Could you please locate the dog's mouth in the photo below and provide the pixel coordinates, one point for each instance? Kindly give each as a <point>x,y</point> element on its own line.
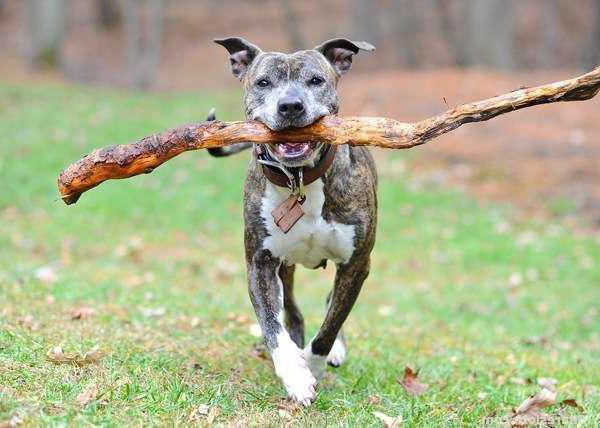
<point>293,150</point>
<point>295,154</point>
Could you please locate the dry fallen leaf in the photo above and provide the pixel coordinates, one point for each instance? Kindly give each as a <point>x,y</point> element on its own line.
<point>204,412</point>
<point>29,322</point>
<point>530,411</point>
<point>88,395</point>
<point>572,403</point>
<point>284,414</point>
<point>388,421</point>
<point>374,399</point>
<point>57,355</point>
<point>153,312</point>
<point>82,312</point>
<point>411,383</point>
<point>259,350</point>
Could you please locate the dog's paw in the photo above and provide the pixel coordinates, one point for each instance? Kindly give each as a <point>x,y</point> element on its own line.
<point>337,355</point>
<point>300,386</point>
<point>298,380</point>
<point>316,363</point>
<point>292,368</point>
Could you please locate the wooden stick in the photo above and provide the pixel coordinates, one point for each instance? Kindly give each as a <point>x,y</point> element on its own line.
<point>144,155</point>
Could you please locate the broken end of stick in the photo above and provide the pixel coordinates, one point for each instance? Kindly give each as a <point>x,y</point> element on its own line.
<point>67,197</point>
<point>70,199</point>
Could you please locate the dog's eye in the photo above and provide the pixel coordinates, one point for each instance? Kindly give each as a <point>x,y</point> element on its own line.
<point>316,81</point>
<point>263,83</point>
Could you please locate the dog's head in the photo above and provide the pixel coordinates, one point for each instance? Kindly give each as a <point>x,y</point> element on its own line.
<point>291,90</point>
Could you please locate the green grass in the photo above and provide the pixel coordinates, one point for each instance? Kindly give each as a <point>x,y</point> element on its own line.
<point>476,296</point>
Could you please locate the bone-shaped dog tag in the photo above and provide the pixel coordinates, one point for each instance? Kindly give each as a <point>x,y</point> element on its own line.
<point>288,213</point>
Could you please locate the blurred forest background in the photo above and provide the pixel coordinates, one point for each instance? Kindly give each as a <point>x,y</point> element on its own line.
<point>166,43</point>
<point>431,55</point>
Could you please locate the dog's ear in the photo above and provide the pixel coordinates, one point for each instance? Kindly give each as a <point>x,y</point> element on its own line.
<point>241,54</point>
<point>339,52</point>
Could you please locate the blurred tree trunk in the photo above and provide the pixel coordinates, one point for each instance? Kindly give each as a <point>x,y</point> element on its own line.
<point>451,29</point>
<point>143,33</point>
<point>593,55</point>
<point>292,26</point>
<point>46,21</point>
<point>548,52</point>
<point>489,33</point>
<point>365,21</point>
<point>407,22</point>
<point>108,13</point>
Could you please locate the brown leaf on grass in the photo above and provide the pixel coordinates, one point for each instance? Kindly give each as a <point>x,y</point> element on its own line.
<point>259,351</point>
<point>58,356</point>
<point>374,399</point>
<point>530,411</point>
<point>388,421</point>
<point>82,312</point>
<point>88,395</point>
<point>572,403</point>
<point>205,413</point>
<point>28,322</point>
<point>411,383</point>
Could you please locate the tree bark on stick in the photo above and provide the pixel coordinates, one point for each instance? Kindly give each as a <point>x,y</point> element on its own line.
<point>143,156</point>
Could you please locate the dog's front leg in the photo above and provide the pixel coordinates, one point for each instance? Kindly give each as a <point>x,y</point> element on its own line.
<point>266,293</point>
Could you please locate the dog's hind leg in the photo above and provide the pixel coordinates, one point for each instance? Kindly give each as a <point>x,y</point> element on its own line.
<point>349,279</point>
<point>267,295</point>
<point>294,320</point>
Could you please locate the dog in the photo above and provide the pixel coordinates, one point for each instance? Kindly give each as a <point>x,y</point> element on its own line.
<point>304,203</point>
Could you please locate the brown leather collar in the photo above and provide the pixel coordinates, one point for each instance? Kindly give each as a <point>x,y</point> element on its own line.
<point>309,174</point>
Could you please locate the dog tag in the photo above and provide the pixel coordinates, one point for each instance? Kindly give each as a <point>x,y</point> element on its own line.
<point>288,213</point>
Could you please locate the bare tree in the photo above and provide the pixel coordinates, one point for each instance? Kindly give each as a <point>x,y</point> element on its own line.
<point>46,21</point>
<point>593,56</point>
<point>546,53</point>
<point>366,25</point>
<point>489,33</point>
<point>451,16</point>
<point>407,21</point>
<point>292,26</point>
<point>143,33</point>
<point>108,13</point>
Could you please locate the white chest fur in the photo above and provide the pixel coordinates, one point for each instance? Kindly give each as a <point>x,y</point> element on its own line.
<point>312,239</point>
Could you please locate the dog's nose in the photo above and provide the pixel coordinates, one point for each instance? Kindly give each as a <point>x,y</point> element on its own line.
<point>290,107</point>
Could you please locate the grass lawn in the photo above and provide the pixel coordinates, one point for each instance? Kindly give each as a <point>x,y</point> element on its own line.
<point>480,299</point>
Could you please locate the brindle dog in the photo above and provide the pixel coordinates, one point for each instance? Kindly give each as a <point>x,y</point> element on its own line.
<point>340,208</point>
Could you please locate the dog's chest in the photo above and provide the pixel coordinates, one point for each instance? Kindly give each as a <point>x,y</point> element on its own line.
<point>312,238</point>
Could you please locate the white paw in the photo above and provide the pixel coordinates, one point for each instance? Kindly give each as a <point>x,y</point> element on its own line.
<point>337,355</point>
<point>316,363</point>
<point>300,386</point>
<point>294,372</point>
